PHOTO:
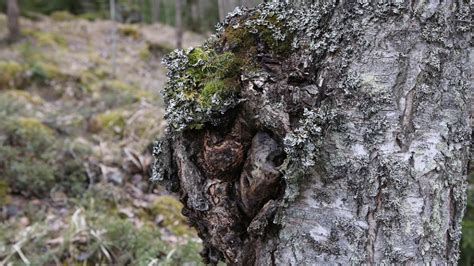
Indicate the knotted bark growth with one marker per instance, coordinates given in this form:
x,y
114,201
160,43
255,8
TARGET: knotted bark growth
x,y
333,133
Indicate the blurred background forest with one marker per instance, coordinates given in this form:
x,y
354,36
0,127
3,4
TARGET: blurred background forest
x,y
80,107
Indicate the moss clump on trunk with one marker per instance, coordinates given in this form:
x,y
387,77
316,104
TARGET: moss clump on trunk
x,y
205,82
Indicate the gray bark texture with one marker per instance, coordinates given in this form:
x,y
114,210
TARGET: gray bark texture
x,y
343,138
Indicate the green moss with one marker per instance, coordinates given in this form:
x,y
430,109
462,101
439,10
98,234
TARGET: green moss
x,y
11,106
154,49
213,76
169,209
239,39
32,177
26,173
197,54
71,176
43,71
113,121
30,53
115,93
33,161
278,47
467,243
129,31
127,88
80,147
87,79
62,16
119,85
23,96
144,53
3,21
4,189
204,83
225,65
11,74
91,77
242,39
212,88
92,233
91,16
29,133
51,39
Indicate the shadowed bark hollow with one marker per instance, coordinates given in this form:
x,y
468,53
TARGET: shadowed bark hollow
x,y
334,133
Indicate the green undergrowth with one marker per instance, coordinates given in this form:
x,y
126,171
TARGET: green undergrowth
x,y
92,16
130,31
69,129
113,121
168,209
467,240
150,50
46,38
34,67
94,233
62,16
11,74
33,162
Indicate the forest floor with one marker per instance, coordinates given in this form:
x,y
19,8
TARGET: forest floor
x,y
75,146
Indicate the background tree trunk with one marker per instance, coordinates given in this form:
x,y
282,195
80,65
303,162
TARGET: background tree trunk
x,y
155,10
179,24
352,149
13,17
226,6
251,3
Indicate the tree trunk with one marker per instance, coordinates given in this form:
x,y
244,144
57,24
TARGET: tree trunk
x,y
155,10
251,3
179,24
226,6
13,17
343,138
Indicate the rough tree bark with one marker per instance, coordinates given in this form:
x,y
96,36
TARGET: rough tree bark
x,y
335,133
13,17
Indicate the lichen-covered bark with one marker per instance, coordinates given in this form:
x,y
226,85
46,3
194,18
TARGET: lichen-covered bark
x,y
350,147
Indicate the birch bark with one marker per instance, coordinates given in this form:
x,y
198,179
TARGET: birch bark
x,y
371,116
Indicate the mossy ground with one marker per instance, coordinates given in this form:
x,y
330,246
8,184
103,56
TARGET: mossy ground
x,y
11,74
62,16
130,31
74,155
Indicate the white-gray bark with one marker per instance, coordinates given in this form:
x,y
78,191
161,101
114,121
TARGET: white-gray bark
x,y
391,186
372,111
